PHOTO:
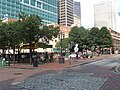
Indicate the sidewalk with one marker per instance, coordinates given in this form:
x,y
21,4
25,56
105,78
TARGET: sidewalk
x,y
19,72
57,66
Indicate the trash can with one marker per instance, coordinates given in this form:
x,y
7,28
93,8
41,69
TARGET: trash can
x,y
35,62
3,62
61,60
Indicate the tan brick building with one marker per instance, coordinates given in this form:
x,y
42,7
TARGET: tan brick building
x,y
116,41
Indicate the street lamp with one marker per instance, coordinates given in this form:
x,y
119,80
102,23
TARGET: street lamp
x,y
70,46
61,36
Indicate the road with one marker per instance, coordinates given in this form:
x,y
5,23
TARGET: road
x,y
100,75
106,68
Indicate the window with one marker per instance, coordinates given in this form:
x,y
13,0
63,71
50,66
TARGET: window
x,y
26,1
38,4
33,2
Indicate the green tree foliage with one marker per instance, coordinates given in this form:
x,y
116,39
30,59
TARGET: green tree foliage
x,y
105,39
48,33
64,43
13,34
33,30
27,30
3,35
92,37
10,35
79,35
30,28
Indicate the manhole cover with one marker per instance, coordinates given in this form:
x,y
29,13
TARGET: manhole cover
x,y
18,73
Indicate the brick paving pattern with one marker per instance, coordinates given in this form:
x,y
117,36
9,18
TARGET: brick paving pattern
x,y
16,73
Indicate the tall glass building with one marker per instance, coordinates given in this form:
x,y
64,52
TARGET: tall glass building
x,y
77,8
46,9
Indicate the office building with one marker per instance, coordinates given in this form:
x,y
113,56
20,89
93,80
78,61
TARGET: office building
x,y
77,14
66,12
77,21
46,9
105,14
77,9
116,41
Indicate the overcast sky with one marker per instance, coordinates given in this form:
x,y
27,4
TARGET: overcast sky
x,y
87,12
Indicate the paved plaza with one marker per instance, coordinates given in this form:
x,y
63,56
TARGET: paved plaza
x,y
63,81
79,75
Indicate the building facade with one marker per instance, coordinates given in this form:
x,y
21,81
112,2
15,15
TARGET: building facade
x,y
46,9
77,14
66,12
116,41
105,14
77,8
77,21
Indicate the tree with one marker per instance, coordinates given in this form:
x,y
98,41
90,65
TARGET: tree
x,y
33,31
48,33
14,36
3,37
78,35
30,30
64,42
10,36
92,37
105,38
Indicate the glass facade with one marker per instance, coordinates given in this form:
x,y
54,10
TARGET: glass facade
x,y
77,9
46,9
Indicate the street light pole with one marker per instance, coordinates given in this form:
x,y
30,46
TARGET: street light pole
x,y
61,42
61,58
61,39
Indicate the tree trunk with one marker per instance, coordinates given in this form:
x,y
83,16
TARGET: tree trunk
x,y
31,59
102,51
14,59
18,55
3,52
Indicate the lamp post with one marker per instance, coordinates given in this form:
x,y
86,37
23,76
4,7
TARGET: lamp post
x,y
61,40
70,46
61,36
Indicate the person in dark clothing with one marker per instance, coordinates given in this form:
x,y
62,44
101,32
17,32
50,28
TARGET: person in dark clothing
x,y
51,57
46,57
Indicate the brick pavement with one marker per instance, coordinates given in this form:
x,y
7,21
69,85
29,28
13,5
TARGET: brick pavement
x,y
19,72
56,65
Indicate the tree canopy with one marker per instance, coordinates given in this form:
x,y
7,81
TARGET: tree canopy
x,y
78,35
105,39
93,37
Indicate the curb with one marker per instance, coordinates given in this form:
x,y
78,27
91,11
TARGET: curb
x,y
91,62
82,64
74,65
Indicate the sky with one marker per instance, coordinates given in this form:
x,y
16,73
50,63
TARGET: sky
x,y
87,12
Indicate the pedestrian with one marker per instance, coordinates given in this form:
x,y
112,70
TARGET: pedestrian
x,y
46,57
51,57
98,52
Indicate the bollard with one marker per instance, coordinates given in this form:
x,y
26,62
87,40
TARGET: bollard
x,y
35,62
3,62
61,60
70,60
